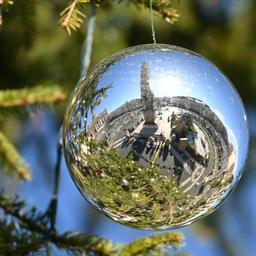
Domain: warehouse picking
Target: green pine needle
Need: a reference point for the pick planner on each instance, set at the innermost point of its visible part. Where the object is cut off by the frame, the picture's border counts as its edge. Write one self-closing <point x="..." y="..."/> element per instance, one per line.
<point x="153" y="244"/>
<point x="29" y="223"/>
<point x="72" y="17"/>
<point x="11" y="160"/>
<point x="27" y="230"/>
<point x="31" y="96"/>
<point x="163" y="7"/>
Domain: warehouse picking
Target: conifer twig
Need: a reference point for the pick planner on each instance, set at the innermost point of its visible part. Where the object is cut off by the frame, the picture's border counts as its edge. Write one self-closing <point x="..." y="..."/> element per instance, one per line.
<point x="30" y="222"/>
<point x="145" y="245"/>
<point x="30" y="96"/>
<point x="37" y="223"/>
<point x="163" y="7"/>
<point x="71" y="16"/>
<point x="11" y="160"/>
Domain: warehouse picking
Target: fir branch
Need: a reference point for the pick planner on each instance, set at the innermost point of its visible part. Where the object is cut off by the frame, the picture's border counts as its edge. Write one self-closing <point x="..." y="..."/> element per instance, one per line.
<point x="79" y="243"/>
<point x="153" y="244"/>
<point x="71" y="16"/>
<point x="38" y="224"/>
<point x="35" y="228"/>
<point x="31" y="220"/>
<point x="30" y="96"/>
<point x="14" y="241"/>
<point x="163" y="7"/>
<point x="30" y="225"/>
<point x="11" y="159"/>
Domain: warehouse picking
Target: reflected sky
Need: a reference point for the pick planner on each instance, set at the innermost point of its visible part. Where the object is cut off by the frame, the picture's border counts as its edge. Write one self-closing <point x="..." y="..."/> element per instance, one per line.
<point x="178" y="72"/>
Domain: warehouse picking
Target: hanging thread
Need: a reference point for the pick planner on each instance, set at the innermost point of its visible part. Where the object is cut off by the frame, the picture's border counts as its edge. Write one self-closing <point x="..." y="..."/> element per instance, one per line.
<point x="152" y="22"/>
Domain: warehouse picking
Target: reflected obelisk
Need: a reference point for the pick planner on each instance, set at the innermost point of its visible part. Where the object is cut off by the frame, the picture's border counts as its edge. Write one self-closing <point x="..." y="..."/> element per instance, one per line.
<point x="147" y="96"/>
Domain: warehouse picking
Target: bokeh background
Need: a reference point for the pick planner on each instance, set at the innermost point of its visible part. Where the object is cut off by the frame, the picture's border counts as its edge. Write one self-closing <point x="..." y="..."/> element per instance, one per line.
<point x="34" y="50"/>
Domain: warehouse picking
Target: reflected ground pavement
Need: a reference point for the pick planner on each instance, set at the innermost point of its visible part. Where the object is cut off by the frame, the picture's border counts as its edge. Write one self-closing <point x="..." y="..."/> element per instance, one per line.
<point x="151" y="137"/>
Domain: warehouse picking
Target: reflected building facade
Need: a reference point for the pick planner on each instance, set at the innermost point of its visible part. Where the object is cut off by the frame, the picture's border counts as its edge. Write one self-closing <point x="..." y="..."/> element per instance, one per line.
<point x="97" y="123"/>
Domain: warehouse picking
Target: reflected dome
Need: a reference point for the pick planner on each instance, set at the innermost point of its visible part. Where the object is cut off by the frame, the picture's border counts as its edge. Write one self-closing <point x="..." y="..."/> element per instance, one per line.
<point x="155" y="137"/>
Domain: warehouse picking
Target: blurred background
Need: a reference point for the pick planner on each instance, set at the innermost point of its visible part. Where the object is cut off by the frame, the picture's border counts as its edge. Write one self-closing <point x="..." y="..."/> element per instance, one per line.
<point x="34" y="50"/>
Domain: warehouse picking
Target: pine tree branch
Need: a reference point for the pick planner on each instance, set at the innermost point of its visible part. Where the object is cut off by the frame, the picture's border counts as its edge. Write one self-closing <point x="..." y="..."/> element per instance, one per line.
<point x="35" y="229"/>
<point x="11" y="160"/>
<point x="38" y="224"/>
<point x="154" y="244"/>
<point x="32" y="221"/>
<point x="14" y="241"/>
<point x="71" y="16"/>
<point x="163" y="7"/>
<point x="31" y="96"/>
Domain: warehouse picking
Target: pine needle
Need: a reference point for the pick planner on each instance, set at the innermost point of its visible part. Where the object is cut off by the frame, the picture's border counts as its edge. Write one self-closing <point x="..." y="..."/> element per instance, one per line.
<point x="144" y="246"/>
<point x="33" y="224"/>
<point x="11" y="160"/>
<point x="71" y="17"/>
<point x="30" y="96"/>
<point x="163" y="7"/>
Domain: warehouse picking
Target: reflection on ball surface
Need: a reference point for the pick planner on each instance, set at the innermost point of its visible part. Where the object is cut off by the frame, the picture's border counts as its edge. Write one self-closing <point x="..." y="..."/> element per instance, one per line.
<point x="155" y="137"/>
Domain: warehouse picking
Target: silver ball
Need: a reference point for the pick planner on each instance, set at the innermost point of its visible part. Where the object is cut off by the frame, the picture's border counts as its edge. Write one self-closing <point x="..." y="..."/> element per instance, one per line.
<point x="155" y="126"/>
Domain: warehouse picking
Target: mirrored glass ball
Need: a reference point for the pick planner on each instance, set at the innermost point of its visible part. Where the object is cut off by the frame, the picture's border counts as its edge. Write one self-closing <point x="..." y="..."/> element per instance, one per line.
<point x="155" y="137"/>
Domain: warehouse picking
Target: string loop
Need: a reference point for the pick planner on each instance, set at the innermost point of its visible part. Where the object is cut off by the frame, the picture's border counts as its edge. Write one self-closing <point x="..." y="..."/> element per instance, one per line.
<point x="152" y="22"/>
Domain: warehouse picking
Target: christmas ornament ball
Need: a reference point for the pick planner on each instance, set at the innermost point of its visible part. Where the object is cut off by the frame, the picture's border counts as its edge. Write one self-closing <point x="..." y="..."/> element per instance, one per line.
<point x="155" y="137"/>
